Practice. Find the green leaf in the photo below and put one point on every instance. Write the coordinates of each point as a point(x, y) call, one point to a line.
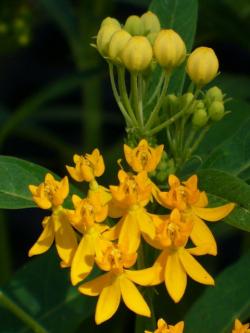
point(43, 290)
point(222, 188)
point(180, 15)
point(233, 155)
point(15, 176)
point(217, 308)
point(225, 129)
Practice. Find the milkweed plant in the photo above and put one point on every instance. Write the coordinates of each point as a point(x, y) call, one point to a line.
point(118, 242)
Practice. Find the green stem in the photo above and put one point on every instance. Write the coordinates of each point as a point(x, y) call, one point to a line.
point(117, 97)
point(124, 93)
point(135, 98)
point(154, 113)
point(198, 141)
point(141, 88)
point(157, 89)
point(21, 314)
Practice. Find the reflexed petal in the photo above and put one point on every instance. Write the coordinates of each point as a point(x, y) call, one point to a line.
point(83, 260)
point(44, 241)
point(128, 153)
point(130, 234)
point(74, 173)
point(108, 301)
point(175, 277)
point(202, 201)
point(65, 239)
point(143, 277)
point(194, 269)
point(202, 236)
point(94, 287)
point(113, 233)
point(145, 222)
point(159, 266)
point(132, 298)
point(213, 214)
point(179, 327)
point(199, 251)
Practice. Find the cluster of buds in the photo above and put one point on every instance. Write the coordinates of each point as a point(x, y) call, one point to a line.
point(84, 236)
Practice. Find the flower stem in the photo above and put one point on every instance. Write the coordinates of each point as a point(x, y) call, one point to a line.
point(154, 113)
point(157, 89)
point(117, 97)
point(21, 314)
point(135, 99)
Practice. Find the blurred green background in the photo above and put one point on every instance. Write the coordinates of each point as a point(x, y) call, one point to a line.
point(55, 98)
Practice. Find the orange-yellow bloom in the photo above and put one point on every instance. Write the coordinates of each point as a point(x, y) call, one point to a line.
point(86, 218)
point(241, 328)
point(163, 327)
point(143, 157)
point(87, 167)
point(175, 261)
point(57, 227)
point(128, 202)
point(50, 193)
point(117, 283)
point(191, 202)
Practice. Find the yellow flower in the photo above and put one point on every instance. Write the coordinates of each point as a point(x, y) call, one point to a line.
point(50, 193)
point(87, 167)
point(117, 283)
point(191, 202)
point(163, 327)
point(128, 202)
point(202, 65)
point(175, 261)
point(240, 328)
point(57, 227)
point(143, 157)
point(86, 218)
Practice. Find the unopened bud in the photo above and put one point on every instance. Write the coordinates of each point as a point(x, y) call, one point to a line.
point(104, 36)
point(169, 49)
point(202, 65)
point(137, 54)
point(151, 22)
point(117, 43)
point(134, 25)
point(152, 37)
point(200, 118)
point(187, 101)
point(110, 20)
point(214, 94)
point(216, 111)
point(170, 102)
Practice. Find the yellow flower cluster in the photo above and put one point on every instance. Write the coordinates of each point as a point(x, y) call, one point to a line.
point(141, 43)
point(84, 238)
point(163, 327)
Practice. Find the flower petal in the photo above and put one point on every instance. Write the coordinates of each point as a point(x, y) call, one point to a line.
point(129, 237)
point(194, 269)
point(94, 287)
point(213, 214)
point(175, 277)
point(132, 297)
point(108, 301)
point(113, 233)
point(65, 239)
point(45, 240)
point(202, 236)
point(83, 261)
point(144, 221)
point(143, 277)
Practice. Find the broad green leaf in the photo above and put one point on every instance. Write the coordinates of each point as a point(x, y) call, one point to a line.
point(43, 290)
point(233, 155)
point(217, 308)
point(223, 187)
point(15, 176)
point(180, 15)
point(226, 128)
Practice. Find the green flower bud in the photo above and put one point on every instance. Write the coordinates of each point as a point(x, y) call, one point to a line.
point(199, 105)
point(110, 20)
point(137, 54)
point(3, 28)
point(187, 99)
point(151, 22)
point(104, 36)
point(202, 65)
point(216, 110)
point(214, 94)
point(170, 102)
point(134, 25)
point(117, 43)
point(200, 118)
point(23, 39)
point(152, 37)
point(169, 49)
